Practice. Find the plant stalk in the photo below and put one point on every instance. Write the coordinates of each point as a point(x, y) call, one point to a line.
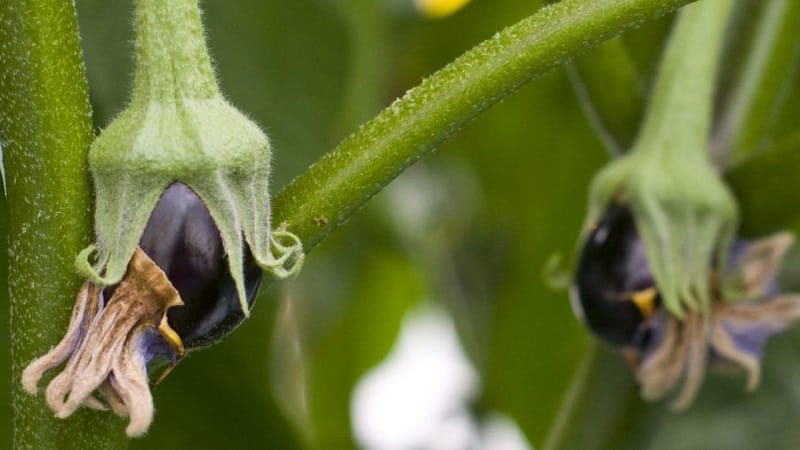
point(45, 122)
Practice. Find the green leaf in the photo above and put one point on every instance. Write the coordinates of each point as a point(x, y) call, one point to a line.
point(764, 189)
point(608, 85)
point(384, 288)
point(764, 79)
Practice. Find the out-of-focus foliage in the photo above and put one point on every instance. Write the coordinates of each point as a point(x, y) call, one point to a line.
point(508, 192)
point(5, 339)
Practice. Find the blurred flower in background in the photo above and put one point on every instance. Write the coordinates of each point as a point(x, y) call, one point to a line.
point(437, 9)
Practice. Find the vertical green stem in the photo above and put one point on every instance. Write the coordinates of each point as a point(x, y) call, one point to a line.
point(679, 114)
point(171, 56)
point(45, 122)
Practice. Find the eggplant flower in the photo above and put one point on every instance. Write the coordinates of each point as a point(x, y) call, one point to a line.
point(177, 295)
point(183, 228)
point(616, 296)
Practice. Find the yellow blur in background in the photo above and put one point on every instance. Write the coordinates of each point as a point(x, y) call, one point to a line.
point(437, 9)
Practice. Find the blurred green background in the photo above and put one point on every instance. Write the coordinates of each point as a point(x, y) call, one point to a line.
point(467, 231)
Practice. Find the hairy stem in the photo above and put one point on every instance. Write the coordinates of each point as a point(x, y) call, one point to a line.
point(45, 122)
point(171, 56)
point(331, 190)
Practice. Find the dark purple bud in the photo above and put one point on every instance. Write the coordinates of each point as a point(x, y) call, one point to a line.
point(183, 240)
point(612, 269)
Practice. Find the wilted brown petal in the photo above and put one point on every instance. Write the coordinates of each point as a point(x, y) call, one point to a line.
point(107, 347)
point(734, 332)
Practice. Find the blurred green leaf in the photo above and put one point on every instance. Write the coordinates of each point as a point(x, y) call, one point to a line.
point(5, 338)
point(763, 80)
point(763, 186)
point(609, 90)
point(600, 405)
point(358, 340)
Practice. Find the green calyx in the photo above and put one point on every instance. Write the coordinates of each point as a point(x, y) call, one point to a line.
point(179, 128)
point(686, 216)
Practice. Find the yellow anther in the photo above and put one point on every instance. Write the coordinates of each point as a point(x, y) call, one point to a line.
point(645, 301)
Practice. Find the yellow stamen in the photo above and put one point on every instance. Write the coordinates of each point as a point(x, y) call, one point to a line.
point(645, 300)
point(171, 337)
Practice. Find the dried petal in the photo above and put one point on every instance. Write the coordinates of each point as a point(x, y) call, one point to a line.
point(733, 333)
point(108, 346)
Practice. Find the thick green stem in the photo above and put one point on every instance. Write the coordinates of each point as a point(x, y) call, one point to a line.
point(45, 122)
point(171, 56)
point(329, 192)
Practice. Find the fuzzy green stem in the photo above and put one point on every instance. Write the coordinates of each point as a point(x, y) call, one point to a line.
point(679, 113)
point(172, 60)
point(45, 123)
point(328, 193)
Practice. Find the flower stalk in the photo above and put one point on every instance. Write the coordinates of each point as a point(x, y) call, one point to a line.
point(172, 60)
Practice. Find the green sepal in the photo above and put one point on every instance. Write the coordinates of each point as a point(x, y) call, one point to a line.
point(685, 215)
point(179, 128)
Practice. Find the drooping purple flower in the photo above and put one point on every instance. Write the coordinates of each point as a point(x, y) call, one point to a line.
point(614, 294)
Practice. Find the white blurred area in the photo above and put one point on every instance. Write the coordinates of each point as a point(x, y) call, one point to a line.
point(418, 397)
